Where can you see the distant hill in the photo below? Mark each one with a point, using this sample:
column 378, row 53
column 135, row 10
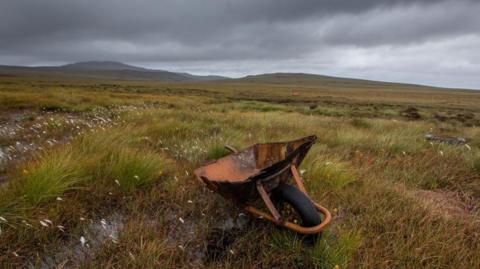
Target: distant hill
column 111, row 70
column 108, row 70
column 326, row 82
column 311, row 79
column 102, row 65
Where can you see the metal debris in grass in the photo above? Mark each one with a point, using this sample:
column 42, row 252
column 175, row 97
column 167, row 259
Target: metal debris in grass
column 445, row 139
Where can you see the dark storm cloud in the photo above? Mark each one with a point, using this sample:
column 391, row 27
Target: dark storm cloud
column 234, row 29
column 261, row 34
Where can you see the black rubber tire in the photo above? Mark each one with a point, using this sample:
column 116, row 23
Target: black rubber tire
column 300, row 202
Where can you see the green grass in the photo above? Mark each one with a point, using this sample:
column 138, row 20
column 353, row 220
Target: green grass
column 367, row 167
column 134, row 169
column 334, row 250
column 50, row 177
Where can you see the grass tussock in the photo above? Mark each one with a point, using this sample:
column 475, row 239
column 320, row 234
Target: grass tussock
column 92, row 159
column 336, row 250
column 49, row 177
column 368, row 162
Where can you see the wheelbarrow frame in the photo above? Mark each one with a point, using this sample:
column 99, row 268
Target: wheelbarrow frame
column 264, row 182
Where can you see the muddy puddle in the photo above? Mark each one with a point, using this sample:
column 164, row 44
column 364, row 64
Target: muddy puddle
column 203, row 243
column 94, row 234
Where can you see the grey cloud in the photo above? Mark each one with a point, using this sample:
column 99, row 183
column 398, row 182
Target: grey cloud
column 263, row 35
column 24, row 23
column 407, row 24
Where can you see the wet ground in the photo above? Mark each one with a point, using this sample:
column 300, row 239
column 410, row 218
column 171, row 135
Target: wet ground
column 25, row 132
column 95, row 233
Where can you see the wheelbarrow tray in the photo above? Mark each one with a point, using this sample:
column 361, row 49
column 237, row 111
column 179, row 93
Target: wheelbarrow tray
column 250, row 174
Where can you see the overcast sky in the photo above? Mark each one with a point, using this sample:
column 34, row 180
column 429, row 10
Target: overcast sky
column 428, row 42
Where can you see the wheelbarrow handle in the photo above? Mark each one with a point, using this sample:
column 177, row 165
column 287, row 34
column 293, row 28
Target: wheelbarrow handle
column 231, row 148
column 292, row 226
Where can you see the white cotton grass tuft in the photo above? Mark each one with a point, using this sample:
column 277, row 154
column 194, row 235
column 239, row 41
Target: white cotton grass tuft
column 61, row 228
column 43, row 223
column 83, row 241
column 59, row 199
column 2, row 219
column 181, row 220
column 468, row 147
column 118, row 182
column 103, row 222
column 114, row 238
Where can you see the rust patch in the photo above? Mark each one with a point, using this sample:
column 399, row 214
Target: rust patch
column 234, row 168
column 234, row 175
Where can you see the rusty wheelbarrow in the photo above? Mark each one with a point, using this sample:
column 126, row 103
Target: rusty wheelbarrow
column 262, row 171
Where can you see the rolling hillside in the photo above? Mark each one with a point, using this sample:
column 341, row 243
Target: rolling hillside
column 111, row 70
column 106, row 70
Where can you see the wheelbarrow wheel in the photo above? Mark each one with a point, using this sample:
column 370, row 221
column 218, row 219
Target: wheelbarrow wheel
column 300, row 202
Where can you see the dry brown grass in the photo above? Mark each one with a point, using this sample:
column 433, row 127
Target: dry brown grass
column 369, row 170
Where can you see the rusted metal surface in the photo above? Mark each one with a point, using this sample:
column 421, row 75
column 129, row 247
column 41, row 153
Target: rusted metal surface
column 298, row 179
column 268, row 202
column 251, row 174
column 234, row 175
